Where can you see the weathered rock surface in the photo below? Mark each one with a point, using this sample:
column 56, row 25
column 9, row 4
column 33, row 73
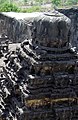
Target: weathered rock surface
column 51, row 30
column 72, row 13
column 40, row 78
column 16, row 26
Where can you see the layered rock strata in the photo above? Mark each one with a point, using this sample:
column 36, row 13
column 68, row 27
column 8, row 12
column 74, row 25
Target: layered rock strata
column 43, row 73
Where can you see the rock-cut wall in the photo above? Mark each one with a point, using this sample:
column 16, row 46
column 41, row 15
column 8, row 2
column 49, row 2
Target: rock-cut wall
column 16, row 26
column 72, row 13
column 41, row 76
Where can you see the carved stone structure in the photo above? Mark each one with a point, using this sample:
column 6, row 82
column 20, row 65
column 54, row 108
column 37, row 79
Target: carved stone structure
column 72, row 13
column 16, row 25
column 40, row 78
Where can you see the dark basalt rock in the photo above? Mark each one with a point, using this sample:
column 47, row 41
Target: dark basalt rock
column 51, row 30
column 42, row 74
column 72, row 13
column 16, row 26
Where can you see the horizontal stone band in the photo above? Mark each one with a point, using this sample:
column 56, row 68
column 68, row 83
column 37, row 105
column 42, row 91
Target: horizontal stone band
column 45, row 101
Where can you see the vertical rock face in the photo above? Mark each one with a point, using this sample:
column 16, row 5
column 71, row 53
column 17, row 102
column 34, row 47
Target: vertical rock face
column 72, row 13
column 15, row 30
column 42, row 73
column 16, row 26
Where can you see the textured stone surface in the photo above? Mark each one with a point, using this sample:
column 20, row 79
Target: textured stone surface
column 72, row 13
column 51, row 30
column 16, row 26
column 39, row 80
